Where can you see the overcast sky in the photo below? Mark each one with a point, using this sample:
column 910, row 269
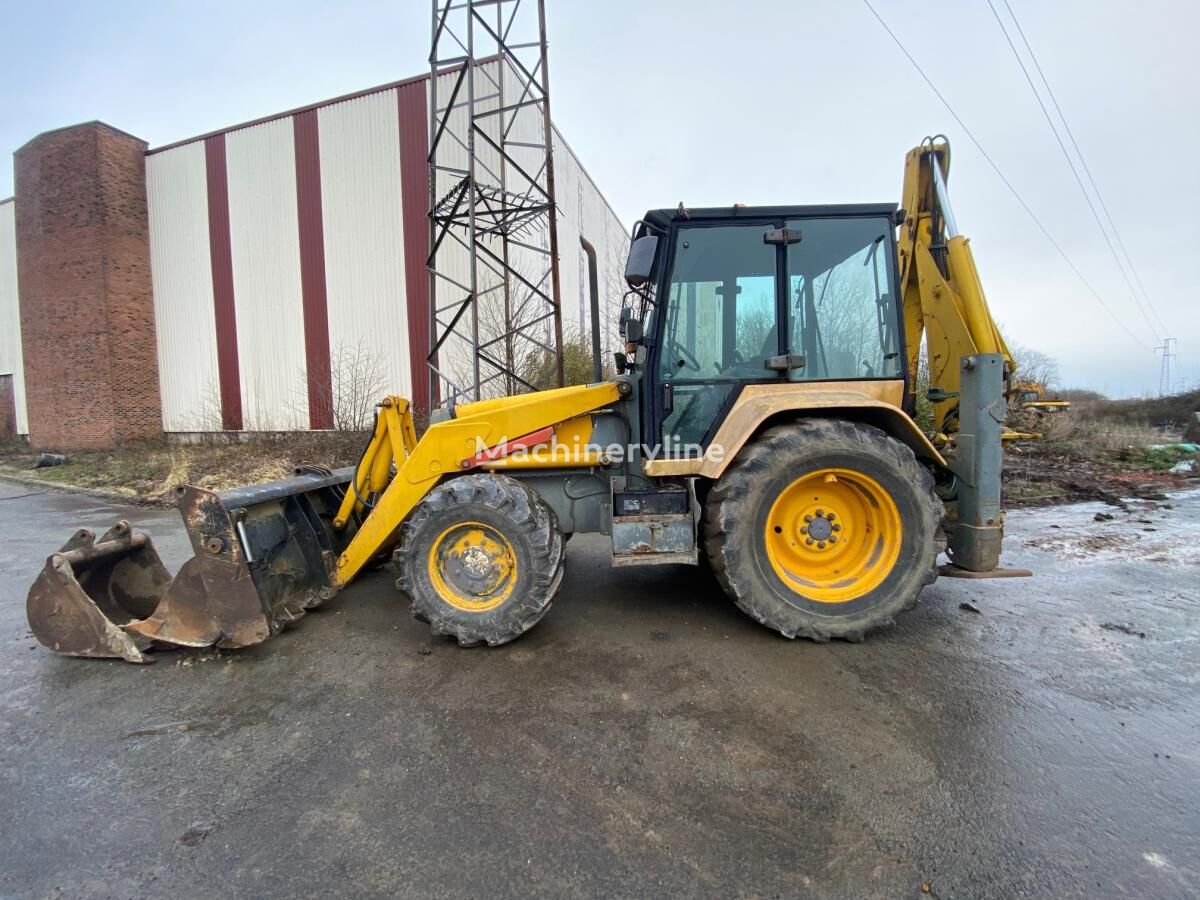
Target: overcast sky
column 752, row 102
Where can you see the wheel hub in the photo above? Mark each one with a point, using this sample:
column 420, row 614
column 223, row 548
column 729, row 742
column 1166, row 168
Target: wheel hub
column 477, row 563
column 473, row 566
column 833, row 535
column 820, row 528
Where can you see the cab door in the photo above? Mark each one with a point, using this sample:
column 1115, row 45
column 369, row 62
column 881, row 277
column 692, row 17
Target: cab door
column 720, row 325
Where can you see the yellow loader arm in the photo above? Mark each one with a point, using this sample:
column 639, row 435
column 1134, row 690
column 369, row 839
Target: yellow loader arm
column 450, row 446
column 944, row 301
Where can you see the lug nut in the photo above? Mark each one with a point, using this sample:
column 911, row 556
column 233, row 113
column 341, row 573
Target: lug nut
column 837, row 527
column 821, row 513
column 831, row 517
column 804, row 529
column 833, row 539
column 808, row 518
column 808, row 541
column 821, row 545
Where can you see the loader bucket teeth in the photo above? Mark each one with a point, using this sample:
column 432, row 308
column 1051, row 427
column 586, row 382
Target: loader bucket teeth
column 263, row 556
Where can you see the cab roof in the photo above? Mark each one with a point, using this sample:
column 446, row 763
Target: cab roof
column 664, row 217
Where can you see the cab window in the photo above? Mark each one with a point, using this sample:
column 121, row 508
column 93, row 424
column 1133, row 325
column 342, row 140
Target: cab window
column 841, row 300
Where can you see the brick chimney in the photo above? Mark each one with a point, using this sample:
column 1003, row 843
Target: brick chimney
column 83, row 270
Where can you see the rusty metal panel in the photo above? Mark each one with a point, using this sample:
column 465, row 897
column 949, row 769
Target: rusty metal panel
column 11, row 359
column 264, row 234
column 180, row 265
column 654, row 540
column 365, row 265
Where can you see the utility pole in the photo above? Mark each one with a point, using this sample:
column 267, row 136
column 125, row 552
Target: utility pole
column 1164, row 377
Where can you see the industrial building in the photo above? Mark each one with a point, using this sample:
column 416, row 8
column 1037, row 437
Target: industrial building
column 239, row 281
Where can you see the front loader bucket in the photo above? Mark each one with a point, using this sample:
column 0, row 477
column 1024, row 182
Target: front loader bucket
column 263, row 556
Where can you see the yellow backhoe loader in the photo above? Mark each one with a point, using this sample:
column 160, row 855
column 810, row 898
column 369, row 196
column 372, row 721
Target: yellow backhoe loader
column 762, row 418
column 1030, row 396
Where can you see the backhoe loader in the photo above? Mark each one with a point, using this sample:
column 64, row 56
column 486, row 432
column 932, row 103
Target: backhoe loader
column 761, row 419
column 1030, row 396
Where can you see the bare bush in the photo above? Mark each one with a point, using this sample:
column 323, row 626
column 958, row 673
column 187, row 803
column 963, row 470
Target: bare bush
column 1094, row 436
column 1034, row 365
column 1081, row 395
column 357, row 381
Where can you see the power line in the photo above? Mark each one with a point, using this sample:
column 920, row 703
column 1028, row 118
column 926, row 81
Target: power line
column 1008, row 184
column 1070, row 162
column 1087, row 171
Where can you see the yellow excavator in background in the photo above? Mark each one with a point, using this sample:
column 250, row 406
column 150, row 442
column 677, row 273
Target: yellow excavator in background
column 762, row 418
column 1030, row 396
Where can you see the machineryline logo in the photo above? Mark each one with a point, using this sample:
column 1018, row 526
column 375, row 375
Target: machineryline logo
column 537, row 450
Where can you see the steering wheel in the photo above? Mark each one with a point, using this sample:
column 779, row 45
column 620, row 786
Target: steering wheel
column 684, row 355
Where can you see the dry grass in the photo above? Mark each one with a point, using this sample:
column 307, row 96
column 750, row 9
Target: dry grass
column 1097, row 450
column 150, row 471
column 1096, row 436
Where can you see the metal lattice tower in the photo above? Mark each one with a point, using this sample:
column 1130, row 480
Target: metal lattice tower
column 1164, row 375
column 494, row 282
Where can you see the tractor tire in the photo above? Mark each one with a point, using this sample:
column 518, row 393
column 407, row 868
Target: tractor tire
column 824, row 528
column 481, row 559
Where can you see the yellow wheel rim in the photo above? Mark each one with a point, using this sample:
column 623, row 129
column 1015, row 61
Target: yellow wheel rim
column 833, row 535
column 473, row 567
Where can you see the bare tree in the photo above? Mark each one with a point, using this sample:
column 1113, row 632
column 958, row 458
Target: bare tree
column 357, row 381
column 1033, row 365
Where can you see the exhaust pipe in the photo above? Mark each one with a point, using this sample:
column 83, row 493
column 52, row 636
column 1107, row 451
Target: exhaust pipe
column 594, row 298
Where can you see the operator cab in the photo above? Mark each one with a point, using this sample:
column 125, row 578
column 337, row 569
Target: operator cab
column 734, row 296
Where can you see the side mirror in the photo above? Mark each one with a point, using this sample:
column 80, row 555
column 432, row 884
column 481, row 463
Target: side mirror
column 631, row 328
column 640, row 265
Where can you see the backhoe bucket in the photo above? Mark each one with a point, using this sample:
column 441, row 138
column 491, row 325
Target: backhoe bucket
column 263, row 556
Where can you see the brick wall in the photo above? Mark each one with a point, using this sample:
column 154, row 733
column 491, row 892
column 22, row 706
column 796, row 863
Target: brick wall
column 8, row 409
column 83, row 269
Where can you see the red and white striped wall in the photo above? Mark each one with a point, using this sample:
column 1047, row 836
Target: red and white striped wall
column 283, row 249
column 288, row 258
column 10, row 316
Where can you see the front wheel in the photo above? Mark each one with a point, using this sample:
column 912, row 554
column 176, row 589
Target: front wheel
column 824, row 529
column 481, row 559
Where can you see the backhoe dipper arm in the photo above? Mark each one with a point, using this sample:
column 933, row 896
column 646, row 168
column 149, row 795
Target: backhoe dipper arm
column 944, row 301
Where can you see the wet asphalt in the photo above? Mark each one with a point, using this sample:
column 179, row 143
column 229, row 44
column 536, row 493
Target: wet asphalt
column 644, row 740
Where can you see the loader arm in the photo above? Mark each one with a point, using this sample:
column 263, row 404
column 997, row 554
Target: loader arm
column 944, row 302
column 448, row 447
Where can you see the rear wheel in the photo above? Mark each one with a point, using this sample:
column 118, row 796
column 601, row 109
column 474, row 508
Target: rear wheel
column 481, row 559
column 824, row 529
